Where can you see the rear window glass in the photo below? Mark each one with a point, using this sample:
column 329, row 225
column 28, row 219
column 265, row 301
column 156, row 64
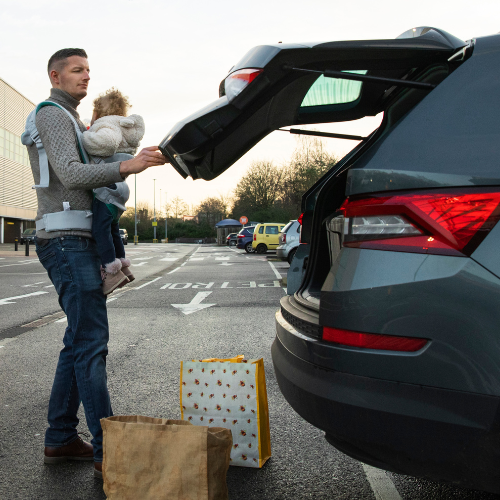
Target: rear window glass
column 272, row 230
column 250, row 230
column 287, row 227
column 261, row 229
column 325, row 91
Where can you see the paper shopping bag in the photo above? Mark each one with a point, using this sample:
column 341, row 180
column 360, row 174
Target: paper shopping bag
column 157, row 459
column 230, row 393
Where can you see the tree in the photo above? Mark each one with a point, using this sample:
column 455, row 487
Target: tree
column 177, row 207
column 258, row 191
column 270, row 193
column 309, row 162
column 212, row 210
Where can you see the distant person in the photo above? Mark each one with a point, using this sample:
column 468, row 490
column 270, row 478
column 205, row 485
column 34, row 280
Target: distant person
column 112, row 132
column 67, row 251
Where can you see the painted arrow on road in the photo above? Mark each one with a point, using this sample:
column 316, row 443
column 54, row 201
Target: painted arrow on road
column 195, row 305
column 11, row 300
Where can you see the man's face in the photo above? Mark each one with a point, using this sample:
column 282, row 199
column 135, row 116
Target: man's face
column 73, row 78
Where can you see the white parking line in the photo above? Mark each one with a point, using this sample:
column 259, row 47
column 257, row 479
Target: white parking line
column 34, row 284
column 62, row 320
column 276, row 272
column 21, row 264
column 173, row 271
column 140, row 264
column 12, row 300
column 146, row 284
column 383, row 488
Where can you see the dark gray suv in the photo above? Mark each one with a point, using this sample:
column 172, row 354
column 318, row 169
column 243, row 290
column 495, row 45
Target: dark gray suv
column 390, row 342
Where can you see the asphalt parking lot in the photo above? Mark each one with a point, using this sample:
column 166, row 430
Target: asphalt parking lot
column 152, row 331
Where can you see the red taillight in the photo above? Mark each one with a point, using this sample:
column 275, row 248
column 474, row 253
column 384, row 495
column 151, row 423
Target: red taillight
column 447, row 222
column 372, row 340
column 254, row 237
column 236, row 82
column 283, row 237
column 241, row 235
column 299, row 220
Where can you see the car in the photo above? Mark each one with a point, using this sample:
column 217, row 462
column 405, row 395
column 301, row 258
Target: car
column 389, row 341
column 124, row 236
column 288, row 241
column 231, row 239
column 245, row 238
column 28, row 235
column 265, row 236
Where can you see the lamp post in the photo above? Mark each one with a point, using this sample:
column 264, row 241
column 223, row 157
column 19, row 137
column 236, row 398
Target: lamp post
column 166, row 217
column 136, row 239
column 154, row 212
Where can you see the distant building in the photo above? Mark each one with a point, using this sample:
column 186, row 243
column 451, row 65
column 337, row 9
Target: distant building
column 189, row 217
column 18, row 203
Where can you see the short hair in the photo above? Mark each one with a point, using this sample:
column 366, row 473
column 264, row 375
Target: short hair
column 61, row 56
column 112, row 102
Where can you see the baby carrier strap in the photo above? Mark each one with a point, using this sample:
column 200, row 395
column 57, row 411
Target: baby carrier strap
column 31, row 136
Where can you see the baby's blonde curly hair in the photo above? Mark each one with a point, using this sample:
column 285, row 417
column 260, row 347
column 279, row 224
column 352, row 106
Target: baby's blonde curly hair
column 112, row 102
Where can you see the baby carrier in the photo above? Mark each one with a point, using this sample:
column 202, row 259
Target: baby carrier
column 78, row 220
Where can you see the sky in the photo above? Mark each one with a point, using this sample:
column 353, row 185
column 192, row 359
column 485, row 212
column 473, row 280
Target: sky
column 170, row 56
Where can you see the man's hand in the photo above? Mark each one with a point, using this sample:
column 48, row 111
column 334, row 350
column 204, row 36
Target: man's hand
column 147, row 157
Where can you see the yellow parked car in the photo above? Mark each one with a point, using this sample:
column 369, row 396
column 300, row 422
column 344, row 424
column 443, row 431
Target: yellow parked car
column 265, row 236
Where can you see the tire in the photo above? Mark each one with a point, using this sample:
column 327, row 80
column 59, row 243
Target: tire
column 291, row 254
column 232, row 243
column 261, row 248
column 248, row 247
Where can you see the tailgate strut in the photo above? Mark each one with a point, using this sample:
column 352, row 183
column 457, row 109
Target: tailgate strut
column 322, row 134
column 330, row 73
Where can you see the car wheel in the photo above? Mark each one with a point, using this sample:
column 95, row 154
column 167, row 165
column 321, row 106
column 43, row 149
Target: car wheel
column 291, row 253
column 232, row 243
column 248, row 247
column 261, row 248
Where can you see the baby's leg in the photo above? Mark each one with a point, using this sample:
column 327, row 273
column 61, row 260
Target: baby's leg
column 102, row 220
column 120, row 250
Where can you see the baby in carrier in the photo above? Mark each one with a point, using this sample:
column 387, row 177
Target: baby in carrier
column 113, row 136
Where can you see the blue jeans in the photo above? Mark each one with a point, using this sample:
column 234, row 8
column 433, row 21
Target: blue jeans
column 73, row 265
column 106, row 232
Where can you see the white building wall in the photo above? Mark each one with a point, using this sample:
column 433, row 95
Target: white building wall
column 17, row 198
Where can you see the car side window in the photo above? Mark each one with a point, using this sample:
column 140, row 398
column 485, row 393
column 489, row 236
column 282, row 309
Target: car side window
column 272, row 230
column 261, row 230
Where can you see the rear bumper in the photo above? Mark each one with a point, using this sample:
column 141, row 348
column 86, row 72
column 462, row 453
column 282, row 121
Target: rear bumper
column 410, row 429
column 282, row 253
column 241, row 244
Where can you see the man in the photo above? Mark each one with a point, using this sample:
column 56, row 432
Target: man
column 71, row 260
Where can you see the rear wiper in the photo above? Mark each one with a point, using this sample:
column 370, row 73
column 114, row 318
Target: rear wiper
column 322, row 134
column 330, row 73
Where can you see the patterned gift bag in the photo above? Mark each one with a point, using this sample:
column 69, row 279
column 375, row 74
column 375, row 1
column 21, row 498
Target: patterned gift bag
column 230, row 393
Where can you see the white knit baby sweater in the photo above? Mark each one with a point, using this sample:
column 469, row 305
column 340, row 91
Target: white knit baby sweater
column 114, row 134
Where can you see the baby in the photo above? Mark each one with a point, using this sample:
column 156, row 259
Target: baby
column 112, row 136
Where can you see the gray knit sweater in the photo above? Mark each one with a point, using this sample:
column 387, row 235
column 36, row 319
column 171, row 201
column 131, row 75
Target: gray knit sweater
column 70, row 179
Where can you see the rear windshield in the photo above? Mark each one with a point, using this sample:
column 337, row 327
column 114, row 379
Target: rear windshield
column 326, row 91
column 287, row 227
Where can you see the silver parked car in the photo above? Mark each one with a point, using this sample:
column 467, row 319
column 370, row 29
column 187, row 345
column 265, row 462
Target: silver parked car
column 289, row 241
